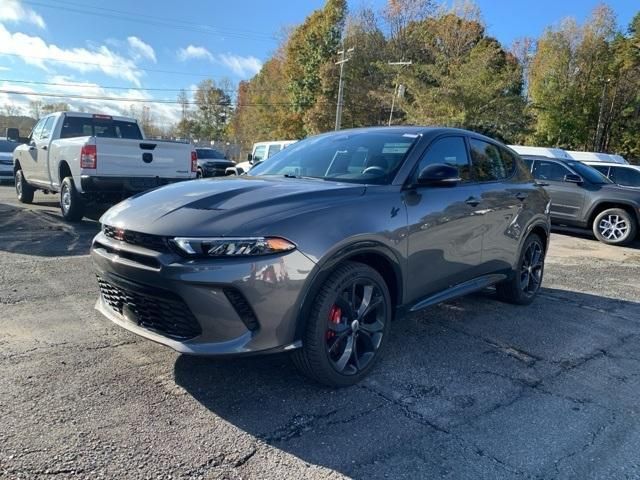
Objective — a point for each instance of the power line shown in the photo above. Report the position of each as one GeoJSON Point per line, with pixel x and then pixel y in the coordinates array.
{"type": "Point", "coordinates": [151, 20]}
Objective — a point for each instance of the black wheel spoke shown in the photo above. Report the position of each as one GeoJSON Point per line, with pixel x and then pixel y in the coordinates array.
{"type": "Point", "coordinates": [341, 363]}
{"type": "Point", "coordinates": [373, 327]}
{"type": "Point", "coordinates": [370, 308]}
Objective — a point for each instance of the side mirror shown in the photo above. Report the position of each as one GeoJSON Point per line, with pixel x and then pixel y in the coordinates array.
{"type": "Point", "coordinates": [573, 178]}
{"type": "Point", "coordinates": [249, 157]}
{"type": "Point", "coordinates": [439, 175]}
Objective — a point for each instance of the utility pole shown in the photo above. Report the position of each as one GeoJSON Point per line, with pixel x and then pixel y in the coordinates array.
{"type": "Point", "coordinates": [341, 62]}
{"type": "Point", "coordinates": [395, 88]}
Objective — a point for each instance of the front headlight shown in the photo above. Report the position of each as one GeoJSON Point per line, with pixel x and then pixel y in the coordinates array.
{"type": "Point", "coordinates": [231, 247]}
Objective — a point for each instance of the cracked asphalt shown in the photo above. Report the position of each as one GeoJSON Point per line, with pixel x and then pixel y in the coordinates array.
{"type": "Point", "coordinates": [472, 388]}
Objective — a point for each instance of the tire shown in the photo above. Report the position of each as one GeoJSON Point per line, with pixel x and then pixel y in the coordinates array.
{"type": "Point", "coordinates": [615, 226]}
{"type": "Point", "coordinates": [338, 322]}
{"type": "Point", "coordinates": [523, 284]}
{"type": "Point", "coordinates": [71, 202]}
{"type": "Point", "coordinates": [24, 191]}
{"type": "Point", "coordinates": [199, 173]}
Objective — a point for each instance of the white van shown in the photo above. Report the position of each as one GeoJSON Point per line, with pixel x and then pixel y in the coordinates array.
{"type": "Point", "coordinates": [261, 151]}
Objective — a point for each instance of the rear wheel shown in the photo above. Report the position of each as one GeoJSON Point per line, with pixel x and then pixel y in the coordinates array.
{"type": "Point", "coordinates": [524, 283]}
{"type": "Point", "coordinates": [615, 226]}
{"type": "Point", "coordinates": [199, 173]}
{"type": "Point", "coordinates": [24, 191]}
{"type": "Point", "coordinates": [71, 202]}
{"type": "Point", "coordinates": [347, 326]}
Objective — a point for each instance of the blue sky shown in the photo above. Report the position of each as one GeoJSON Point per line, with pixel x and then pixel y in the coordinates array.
{"type": "Point", "coordinates": [99, 44]}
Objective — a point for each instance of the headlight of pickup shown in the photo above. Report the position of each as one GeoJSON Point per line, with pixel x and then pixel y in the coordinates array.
{"type": "Point", "coordinates": [217, 247]}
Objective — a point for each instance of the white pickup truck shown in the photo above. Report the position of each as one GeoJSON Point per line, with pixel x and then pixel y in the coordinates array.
{"type": "Point", "coordinates": [95, 158]}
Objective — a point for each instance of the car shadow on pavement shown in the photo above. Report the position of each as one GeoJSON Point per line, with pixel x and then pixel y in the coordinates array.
{"type": "Point", "coordinates": [43, 233]}
{"type": "Point", "coordinates": [456, 385]}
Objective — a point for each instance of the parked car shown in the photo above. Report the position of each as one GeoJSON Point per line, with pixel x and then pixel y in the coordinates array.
{"type": "Point", "coordinates": [212, 163]}
{"type": "Point", "coordinates": [321, 247]}
{"type": "Point", "coordinates": [89, 158]}
{"type": "Point", "coordinates": [6, 159]}
{"type": "Point", "coordinates": [260, 152]}
{"type": "Point", "coordinates": [583, 197]}
{"type": "Point", "coordinates": [625, 175]}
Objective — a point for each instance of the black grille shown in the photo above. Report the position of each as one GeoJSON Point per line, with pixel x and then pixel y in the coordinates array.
{"type": "Point", "coordinates": [158, 310]}
{"type": "Point", "coordinates": [242, 308]}
{"type": "Point", "coordinates": [152, 242]}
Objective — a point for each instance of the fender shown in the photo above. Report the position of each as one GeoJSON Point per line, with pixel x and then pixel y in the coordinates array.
{"type": "Point", "coordinates": [326, 265]}
{"type": "Point", "coordinates": [594, 207]}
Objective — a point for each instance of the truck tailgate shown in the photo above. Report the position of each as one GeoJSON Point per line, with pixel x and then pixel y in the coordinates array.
{"type": "Point", "coordinates": [143, 158]}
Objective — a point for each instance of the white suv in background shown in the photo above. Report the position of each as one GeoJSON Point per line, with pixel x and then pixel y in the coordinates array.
{"type": "Point", "coordinates": [625, 175]}
{"type": "Point", "coordinates": [261, 151]}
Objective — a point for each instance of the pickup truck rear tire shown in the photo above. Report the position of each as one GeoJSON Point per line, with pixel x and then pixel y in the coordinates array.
{"type": "Point", "coordinates": [24, 191]}
{"type": "Point", "coordinates": [615, 226]}
{"type": "Point", "coordinates": [71, 202]}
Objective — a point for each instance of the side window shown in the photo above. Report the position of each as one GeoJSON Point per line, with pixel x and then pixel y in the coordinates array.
{"type": "Point", "coordinates": [273, 149]}
{"type": "Point", "coordinates": [629, 177]}
{"type": "Point", "coordinates": [603, 169]}
{"type": "Point", "coordinates": [451, 151]}
{"type": "Point", "coordinates": [543, 170]}
{"type": "Point", "coordinates": [259, 152]}
{"type": "Point", "coordinates": [528, 163]}
{"type": "Point", "coordinates": [37, 130]}
{"type": "Point", "coordinates": [487, 162]}
{"type": "Point", "coordinates": [47, 128]}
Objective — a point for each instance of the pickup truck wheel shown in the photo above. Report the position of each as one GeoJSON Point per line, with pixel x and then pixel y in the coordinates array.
{"type": "Point", "coordinates": [524, 282]}
{"type": "Point", "coordinates": [24, 191]}
{"type": "Point", "coordinates": [347, 327]}
{"type": "Point", "coordinates": [199, 173]}
{"type": "Point", "coordinates": [615, 226]}
{"type": "Point", "coordinates": [71, 202]}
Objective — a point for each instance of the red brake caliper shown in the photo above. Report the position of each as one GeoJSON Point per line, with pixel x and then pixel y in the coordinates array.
{"type": "Point", "coordinates": [335, 316]}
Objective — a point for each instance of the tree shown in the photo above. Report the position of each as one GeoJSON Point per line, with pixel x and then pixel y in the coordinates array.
{"type": "Point", "coordinates": [185, 125]}
{"type": "Point", "coordinates": [213, 108]}
{"type": "Point", "coordinates": [48, 108]}
{"type": "Point", "coordinates": [35, 109]}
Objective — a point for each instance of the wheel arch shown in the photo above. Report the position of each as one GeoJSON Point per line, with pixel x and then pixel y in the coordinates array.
{"type": "Point", "coordinates": [601, 206]}
{"type": "Point", "coordinates": [63, 167]}
{"type": "Point", "coordinates": [374, 254]}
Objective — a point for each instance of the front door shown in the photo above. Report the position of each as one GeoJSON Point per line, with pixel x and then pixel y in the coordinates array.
{"type": "Point", "coordinates": [445, 230]}
{"type": "Point", "coordinates": [567, 198]}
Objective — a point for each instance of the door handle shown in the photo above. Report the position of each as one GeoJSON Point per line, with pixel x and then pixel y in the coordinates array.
{"type": "Point", "coordinates": [521, 196]}
{"type": "Point", "coordinates": [473, 201]}
{"type": "Point", "coordinates": [44, 147]}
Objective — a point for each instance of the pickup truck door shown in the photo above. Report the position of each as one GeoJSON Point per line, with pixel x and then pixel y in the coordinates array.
{"type": "Point", "coordinates": [29, 153]}
{"type": "Point", "coordinates": [567, 198]}
{"type": "Point", "coordinates": [42, 143]}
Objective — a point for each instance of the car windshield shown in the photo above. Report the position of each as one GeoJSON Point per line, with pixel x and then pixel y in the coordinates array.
{"type": "Point", "coordinates": [357, 157]}
{"type": "Point", "coordinates": [209, 153]}
{"type": "Point", "coordinates": [588, 173]}
{"type": "Point", "coordinates": [7, 146]}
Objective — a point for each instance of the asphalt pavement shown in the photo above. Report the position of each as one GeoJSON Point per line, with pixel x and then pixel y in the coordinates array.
{"type": "Point", "coordinates": [472, 388]}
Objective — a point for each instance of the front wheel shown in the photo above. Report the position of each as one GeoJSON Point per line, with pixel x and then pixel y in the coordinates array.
{"type": "Point", "coordinates": [523, 284]}
{"type": "Point", "coordinates": [347, 327]}
{"type": "Point", "coordinates": [199, 173]}
{"type": "Point", "coordinates": [24, 191]}
{"type": "Point", "coordinates": [71, 202]}
{"type": "Point", "coordinates": [615, 226]}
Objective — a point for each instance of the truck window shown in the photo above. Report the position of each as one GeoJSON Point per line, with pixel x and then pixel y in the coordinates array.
{"type": "Point", "coordinates": [99, 127]}
{"type": "Point", "coordinates": [47, 128]}
{"type": "Point", "coordinates": [259, 152]}
{"type": "Point", "coordinates": [273, 149]}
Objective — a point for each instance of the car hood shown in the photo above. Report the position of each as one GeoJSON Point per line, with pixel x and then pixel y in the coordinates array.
{"type": "Point", "coordinates": [226, 206]}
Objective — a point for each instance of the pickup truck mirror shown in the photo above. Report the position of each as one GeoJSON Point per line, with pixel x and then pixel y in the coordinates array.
{"type": "Point", "coordinates": [249, 157]}
{"type": "Point", "coordinates": [573, 178]}
{"type": "Point", "coordinates": [439, 175]}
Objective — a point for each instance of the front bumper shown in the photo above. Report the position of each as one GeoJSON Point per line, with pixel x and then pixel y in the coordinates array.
{"type": "Point", "coordinates": [220, 295]}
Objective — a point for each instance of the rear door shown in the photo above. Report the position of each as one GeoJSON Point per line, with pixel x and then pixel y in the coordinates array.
{"type": "Point", "coordinates": [445, 231]}
{"type": "Point", "coordinates": [567, 198]}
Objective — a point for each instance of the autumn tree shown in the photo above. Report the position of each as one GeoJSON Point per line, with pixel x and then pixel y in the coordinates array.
{"type": "Point", "coordinates": [213, 109]}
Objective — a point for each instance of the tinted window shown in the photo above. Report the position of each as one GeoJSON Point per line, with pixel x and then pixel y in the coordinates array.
{"type": "Point", "coordinates": [589, 174]}
{"type": "Point", "coordinates": [7, 146]}
{"type": "Point", "coordinates": [99, 127]}
{"type": "Point", "coordinates": [209, 153]}
{"type": "Point", "coordinates": [626, 176]}
{"type": "Point", "coordinates": [358, 157]}
{"type": "Point", "coordinates": [273, 149]}
{"type": "Point", "coordinates": [528, 163]}
{"type": "Point", "coordinates": [603, 169]}
{"type": "Point", "coordinates": [487, 162]}
{"type": "Point", "coordinates": [543, 170]}
{"type": "Point", "coordinates": [450, 151]}
{"type": "Point", "coordinates": [47, 128]}
{"type": "Point", "coordinates": [259, 152]}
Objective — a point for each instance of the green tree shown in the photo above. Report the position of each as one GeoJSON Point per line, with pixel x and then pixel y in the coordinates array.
{"type": "Point", "coordinates": [213, 109]}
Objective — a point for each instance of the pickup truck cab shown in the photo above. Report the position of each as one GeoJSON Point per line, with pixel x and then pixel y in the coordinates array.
{"type": "Point", "coordinates": [95, 158]}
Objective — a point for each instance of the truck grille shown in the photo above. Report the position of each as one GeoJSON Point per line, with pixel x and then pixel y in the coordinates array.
{"type": "Point", "coordinates": [152, 242]}
{"type": "Point", "coordinates": [157, 310]}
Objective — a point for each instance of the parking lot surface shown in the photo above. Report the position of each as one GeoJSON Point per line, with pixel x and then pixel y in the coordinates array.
{"type": "Point", "coordinates": [472, 388]}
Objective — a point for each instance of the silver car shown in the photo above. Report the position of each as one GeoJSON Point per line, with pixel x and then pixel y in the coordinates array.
{"type": "Point", "coordinates": [323, 245]}
{"type": "Point", "coordinates": [6, 159]}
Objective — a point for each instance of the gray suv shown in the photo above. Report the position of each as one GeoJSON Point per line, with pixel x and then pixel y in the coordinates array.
{"type": "Point", "coordinates": [583, 197]}
{"type": "Point", "coordinates": [323, 245]}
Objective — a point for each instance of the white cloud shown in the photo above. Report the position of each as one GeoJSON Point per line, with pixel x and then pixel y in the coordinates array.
{"type": "Point", "coordinates": [139, 49]}
{"type": "Point", "coordinates": [193, 52]}
{"type": "Point", "coordinates": [35, 51]}
{"type": "Point", "coordinates": [241, 66]}
{"type": "Point", "coordinates": [14, 11]}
